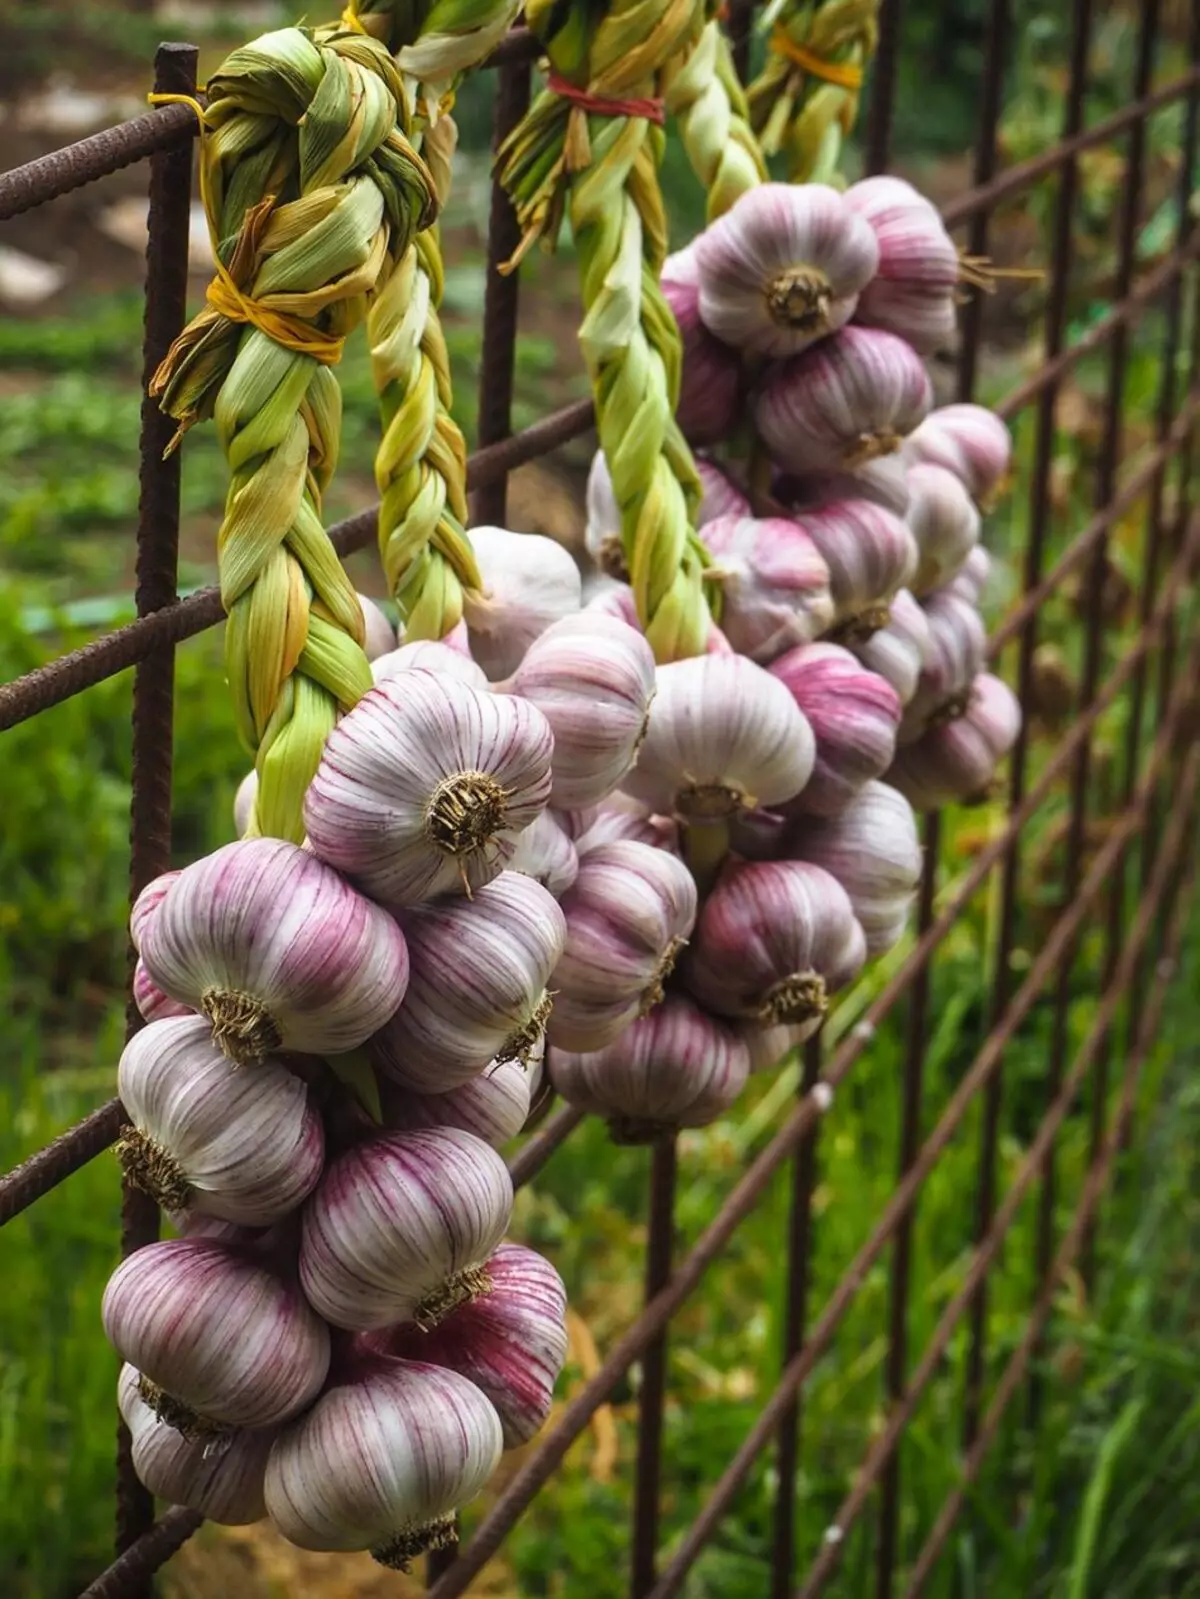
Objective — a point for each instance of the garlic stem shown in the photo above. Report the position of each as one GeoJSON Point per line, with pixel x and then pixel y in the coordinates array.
{"type": "Point", "coordinates": [152, 1168]}
{"type": "Point", "coordinates": [186, 1421]}
{"type": "Point", "coordinates": [465, 812]}
{"type": "Point", "coordinates": [461, 1288]}
{"type": "Point", "coordinates": [797, 998]}
{"type": "Point", "coordinates": [399, 1551]}
{"type": "Point", "coordinates": [243, 1029]}
{"type": "Point", "coordinates": [800, 298]}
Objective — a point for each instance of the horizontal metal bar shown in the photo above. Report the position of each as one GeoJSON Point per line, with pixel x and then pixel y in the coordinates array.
{"type": "Point", "coordinates": [52, 1165]}
{"type": "Point", "coordinates": [537, 1150]}
{"type": "Point", "coordinates": [144, 1557]}
{"type": "Point", "coordinates": [49, 176]}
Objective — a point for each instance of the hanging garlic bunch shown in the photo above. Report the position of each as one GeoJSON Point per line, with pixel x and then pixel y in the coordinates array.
{"type": "Point", "coordinates": [914, 290]}
{"type": "Point", "coordinates": [944, 523]}
{"type": "Point", "coordinates": [957, 759]}
{"type": "Point", "coordinates": [854, 716]}
{"type": "Point", "coordinates": [528, 582]}
{"type": "Point", "coordinates": [710, 387]}
{"type": "Point", "coordinates": [969, 441]}
{"type": "Point", "coordinates": [774, 584]}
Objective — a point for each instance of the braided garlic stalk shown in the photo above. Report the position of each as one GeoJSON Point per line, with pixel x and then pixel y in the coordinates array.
{"type": "Point", "coordinates": [708, 101]}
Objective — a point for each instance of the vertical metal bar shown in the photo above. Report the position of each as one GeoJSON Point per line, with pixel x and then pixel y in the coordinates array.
{"type": "Point", "coordinates": [653, 1387]}
{"type": "Point", "coordinates": [439, 1561]}
{"type": "Point", "coordinates": [501, 296]}
{"type": "Point", "coordinates": [995, 51]}
{"type": "Point", "coordinates": [157, 575]}
{"type": "Point", "coordinates": [878, 140]}
{"type": "Point", "coordinates": [739, 22]}
{"type": "Point", "coordinates": [804, 1174]}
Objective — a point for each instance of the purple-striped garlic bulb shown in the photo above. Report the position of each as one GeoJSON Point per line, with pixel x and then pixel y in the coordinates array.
{"type": "Point", "coordinates": [944, 522]}
{"type": "Point", "coordinates": [221, 1341]}
{"type": "Point", "coordinates": [914, 292]}
{"type": "Point", "coordinates": [546, 853]}
{"type": "Point", "coordinates": [379, 634]}
{"type": "Point", "coordinates": [870, 555]}
{"type": "Point", "coordinates": [383, 1459]}
{"type": "Point", "coordinates": [774, 584]}
{"type": "Point", "coordinates": [225, 1484]}
{"type": "Point", "coordinates": [872, 848]}
{"type": "Point", "coordinates": [429, 655]}
{"type": "Point", "coordinates": [277, 951]}
{"type": "Point", "coordinates": [849, 400]}
{"type": "Point", "coordinates": [722, 497]}
{"type": "Point", "coordinates": [602, 529]}
{"type": "Point", "coordinates": [153, 1005]}
{"type": "Point", "coordinates": [770, 1046]}
{"type": "Point", "coordinates": [971, 579]}
{"type": "Point", "coordinates": [783, 267]}
{"type": "Point", "coordinates": [425, 786]}
{"type": "Point", "coordinates": [883, 481]}
{"type": "Point", "coordinates": [674, 1067]}
{"type": "Point", "coordinates": [592, 678]}
{"type": "Point", "coordinates": [400, 1227]}
{"type": "Point", "coordinates": [620, 817]}
{"type": "Point", "coordinates": [616, 599]}
{"type": "Point", "coordinates": [956, 655]}
{"type": "Point", "coordinates": [477, 990]}
{"type": "Point", "coordinates": [969, 441]}
{"type": "Point", "coordinates": [529, 581]}
{"type": "Point", "coordinates": [724, 736]}
{"type": "Point", "coordinates": [854, 715]}
{"type": "Point", "coordinates": [710, 388]}
{"type": "Point", "coordinates": [898, 651]}
{"type": "Point", "coordinates": [493, 1106]}
{"type": "Point", "coordinates": [204, 1134]}
{"type": "Point", "coordinates": [511, 1343]}
{"type": "Point", "coordinates": [628, 916]}
{"type": "Point", "coordinates": [145, 906]}
{"type": "Point", "coordinates": [956, 760]}
{"type": "Point", "coordinates": [774, 940]}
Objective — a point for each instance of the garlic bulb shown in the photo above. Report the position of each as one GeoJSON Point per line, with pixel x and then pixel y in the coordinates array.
{"type": "Point", "coordinates": [243, 802]}
{"type": "Point", "coordinates": [774, 584]}
{"type": "Point", "coordinates": [914, 291]}
{"type": "Point", "coordinates": [944, 523]}
{"type": "Point", "coordinates": [675, 1067]}
{"type": "Point", "coordinates": [969, 441]}
{"type": "Point", "coordinates": [711, 382]}
{"type": "Point", "coordinates": [379, 634]}
{"type": "Point", "coordinates": [847, 401]}
{"type": "Point", "coordinates": [898, 651]}
{"type": "Point", "coordinates": [870, 554]}
{"type": "Point", "coordinates": [244, 1146]}
{"type": "Point", "coordinates": [723, 736]}
{"type": "Point", "coordinates": [784, 266]}
{"type": "Point", "coordinates": [221, 1341]}
{"type": "Point", "coordinates": [511, 1343]}
{"type": "Point", "coordinates": [957, 650]}
{"type": "Point", "coordinates": [153, 1005]}
{"type": "Point", "coordinates": [602, 530]}
{"type": "Point", "coordinates": [382, 1461]}
{"type": "Point", "coordinates": [430, 655]}
{"type": "Point", "coordinates": [760, 835]}
{"type": "Point", "coordinates": [854, 715]}
{"type": "Point", "coordinates": [225, 1484]}
{"type": "Point", "coordinates": [277, 951]}
{"type": "Point", "coordinates": [616, 599]}
{"type": "Point", "coordinates": [621, 817]}
{"type": "Point", "coordinates": [528, 582]}
{"type": "Point", "coordinates": [971, 579]}
{"type": "Point", "coordinates": [425, 785]}
{"type": "Point", "coordinates": [592, 678]}
{"type": "Point", "coordinates": [628, 916]}
{"type": "Point", "coordinates": [545, 852]}
{"type": "Point", "coordinates": [873, 850]}
{"type": "Point", "coordinates": [145, 906]}
{"type": "Point", "coordinates": [721, 496]}
{"type": "Point", "coordinates": [400, 1227]}
{"type": "Point", "coordinates": [956, 760]}
{"type": "Point", "coordinates": [768, 1047]}
{"type": "Point", "coordinates": [493, 1106]}
{"type": "Point", "coordinates": [773, 941]}
{"type": "Point", "coordinates": [883, 481]}
{"type": "Point", "coordinates": [477, 990]}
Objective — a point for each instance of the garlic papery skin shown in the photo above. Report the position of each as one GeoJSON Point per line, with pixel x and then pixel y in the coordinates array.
{"type": "Point", "coordinates": [545, 852]}
{"type": "Point", "coordinates": [621, 817]}
{"type": "Point", "coordinates": [873, 850]}
{"type": "Point", "coordinates": [225, 1484]}
{"type": "Point", "coordinates": [528, 582]}
{"type": "Point", "coordinates": [957, 759]}
{"type": "Point", "coordinates": [616, 599]}
{"type": "Point", "coordinates": [277, 951]}
{"type": "Point", "coordinates": [956, 654]}
{"type": "Point", "coordinates": [511, 1343]}
{"type": "Point", "coordinates": [774, 584]}
{"type": "Point", "coordinates": [628, 916]}
{"type": "Point", "coordinates": [870, 555]}
{"type": "Point", "coordinates": [493, 1106]}
{"type": "Point", "coordinates": [379, 634]}
{"type": "Point", "coordinates": [969, 441]}
{"type": "Point", "coordinates": [592, 678]}
{"type": "Point", "coordinates": [431, 655]}
{"type": "Point", "coordinates": [153, 1005]}
{"type": "Point", "coordinates": [382, 1461]}
{"type": "Point", "coordinates": [724, 736]}
{"type": "Point", "coordinates": [773, 941]}
{"type": "Point", "coordinates": [221, 1341]}
{"type": "Point", "coordinates": [207, 1135]}
{"type": "Point", "coordinates": [425, 785]}
{"type": "Point", "coordinates": [898, 651]}
{"type": "Point", "coordinates": [970, 581]}
{"type": "Point", "coordinates": [914, 291]}
{"type": "Point", "coordinates": [722, 497]}
{"type": "Point", "coordinates": [784, 266]}
{"type": "Point", "coordinates": [883, 481]}
{"type": "Point", "coordinates": [400, 1227]}
{"type": "Point", "coordinates": [847, 401]}
{"type": "Point", "coordinates": [145, 906]}
{"type": "Point", "coordinates": [768, 1047]}
{"type": "Point", "coordinates": [854, 715]}
{"type": "Point", "coordinates": [602, 529]}
{"type": "Point", "coordinates": [944, 522]}
{"type": "Point", "coordinates": [710, 387]}
{"type": "Point", "coordinates": [674, 1067]}
{"type": "Point", "coordinates": [477, 990]}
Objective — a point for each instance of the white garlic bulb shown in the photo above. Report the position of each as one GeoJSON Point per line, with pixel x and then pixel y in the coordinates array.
{"type": "Point", "coordinates": [710, 385]}
{"type": "Point", "coordinates": [721, 496]}
{"type": "Point", "coordinates": [898, 651]}
{"type": "Point", "coordinates": [971, 579]}
{"type": "Point", "coordinates": [153, 1005]}
{"type": "Point", "coordinates": [430, 655]}
{"type": "Point", "coordinates": [944, 523]}
{"type": "Point", "coordinates": [602, 530]}
{"type": "Point", "coordinates": [957, 650]}
{"type": "Point", "coordinates": [914, 292]}
{"type": "Point", "coordinates": [854, 716]}
{"type": "Point", "coordinates": [493, 1106]}
{"type": "Point", "coordinates": [774, 584]}
{"type": "Point", "coordinates": [379, 634]}
{"type": "Point", "coordinates": [528, 582]}
{"type": "Point", "coordinates": [957, 759]}
{"type": "Point", "coordinates": [969, 441]}
{"type": "Point", "coordinates": [545, 852]}
{"type": "Point", "coordinates": [870, 555]}
{"type": "Point", "coordinates": [145, 906]}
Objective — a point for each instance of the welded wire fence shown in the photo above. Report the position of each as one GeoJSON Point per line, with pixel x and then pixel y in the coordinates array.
{"type": "Point", "coordinates": [1133, 887]}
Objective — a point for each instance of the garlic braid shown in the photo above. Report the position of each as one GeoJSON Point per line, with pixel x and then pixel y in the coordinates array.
{"type": "Point", "coordinates": [603, 168]}
{"type": "Point", "coordinates": [704, 95]}
{"type": "Point", "coordinates": [799, 111]}
{"type": "Point", "coordinates": [310, 187]}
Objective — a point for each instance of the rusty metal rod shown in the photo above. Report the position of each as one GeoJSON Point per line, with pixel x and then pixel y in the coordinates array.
{"type": "Point", "coordinates": [130, 1571]}
{"type": "Point", "coordinates": [168, 127]}
{"type": "Point", "coordinates": [652, 1390]}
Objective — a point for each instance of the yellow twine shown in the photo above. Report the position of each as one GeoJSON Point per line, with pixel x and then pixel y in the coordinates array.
{"type": "Point", "coordinates": [846, 74]}
{"type": "Point", "coordinates": [351, 20]}
{"type": "Point", "coordinates": [223, 293]}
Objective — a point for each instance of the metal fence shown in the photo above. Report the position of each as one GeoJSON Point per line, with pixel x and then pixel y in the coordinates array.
{"type": "Point", "coordinates": [1149, 817]}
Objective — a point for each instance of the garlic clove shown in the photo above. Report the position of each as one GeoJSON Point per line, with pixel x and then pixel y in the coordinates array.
{"type": "Point", "coordinates": [774, 584]}
{"type": "Point", "coordinates": [276, 950]}
{"type": "Point", "coordinates": [944, 522]}
{"type": "Point", "coordinates": [602, 530]}
{"type": "Point", "coordinates": [897, 652]}
{"type": "Point", "coordinates": [969, 441]}
{"type": "Point", "coordinates": [379, 634]}
{"type": "Point", "coordinates": [870, 555]}
{"type": "Point", "coordinates": [956, 760]}
{"type": "Point", "coordinates": [528, 582]}
{"type": "Point", "coordinates": [914, 292]}
{"type": "Point", "coordinates": [425, 786]}
{"type": "Point", "coordinates": [493, 1106]}
{"type": "Point", "coordinates": [956, 654]}
{"type": "Point", "coordinates": [153, 1005]}
{"type": "Point", "coordinates": [854, 715]}
{"type": "Point", "coordinates": [145, 906]}
{"type": "Point", "coordinates": [710, 386]}
{"type": "Point", "coordinates": [545, 852]}
{"type": "Point", "coordinates": [432, 656]}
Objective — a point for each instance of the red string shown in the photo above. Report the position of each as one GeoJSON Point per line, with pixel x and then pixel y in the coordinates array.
{"type": "Point", "coordinates": [651, 110]}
